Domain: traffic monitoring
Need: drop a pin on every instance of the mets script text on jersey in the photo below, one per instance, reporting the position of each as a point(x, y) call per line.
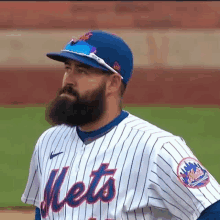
point(75, 196)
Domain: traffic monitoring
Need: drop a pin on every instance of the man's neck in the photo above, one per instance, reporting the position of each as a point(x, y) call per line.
point(107, 117)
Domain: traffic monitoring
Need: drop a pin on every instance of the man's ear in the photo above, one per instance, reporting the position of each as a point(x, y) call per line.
point(113, 84)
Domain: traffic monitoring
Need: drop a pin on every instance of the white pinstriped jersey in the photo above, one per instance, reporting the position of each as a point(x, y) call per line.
point(128, 170)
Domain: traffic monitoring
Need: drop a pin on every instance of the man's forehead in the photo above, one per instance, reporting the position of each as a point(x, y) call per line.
point(79, 64)
point(69, 62)
point(76, 63)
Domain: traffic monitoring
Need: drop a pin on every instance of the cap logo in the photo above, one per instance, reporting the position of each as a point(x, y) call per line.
point(192, 174)
point(86, 36)
point(93, 50)
point(116, 66)
point(73, 41)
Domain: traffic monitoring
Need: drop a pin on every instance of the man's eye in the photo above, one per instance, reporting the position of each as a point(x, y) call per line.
point(82, 71)
point(67, 68)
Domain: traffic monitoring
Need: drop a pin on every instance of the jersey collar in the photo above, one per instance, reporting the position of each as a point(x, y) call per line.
point(88, 137)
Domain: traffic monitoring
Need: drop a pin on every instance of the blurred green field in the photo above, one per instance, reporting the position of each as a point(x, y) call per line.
point(21, 127)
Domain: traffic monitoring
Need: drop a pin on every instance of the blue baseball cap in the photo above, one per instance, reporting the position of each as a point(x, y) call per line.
point(100, 50)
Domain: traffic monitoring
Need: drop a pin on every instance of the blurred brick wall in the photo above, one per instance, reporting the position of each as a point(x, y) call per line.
point(149, 86)
point(176, 48)
point(84, 15)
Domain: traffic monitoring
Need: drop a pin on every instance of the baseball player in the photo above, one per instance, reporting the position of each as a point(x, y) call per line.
point(99, 162)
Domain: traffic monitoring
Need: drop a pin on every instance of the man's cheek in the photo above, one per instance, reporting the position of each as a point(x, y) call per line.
point(92, 83)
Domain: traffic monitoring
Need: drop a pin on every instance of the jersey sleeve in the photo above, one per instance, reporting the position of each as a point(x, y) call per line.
point(179, 182)
point(31, 192)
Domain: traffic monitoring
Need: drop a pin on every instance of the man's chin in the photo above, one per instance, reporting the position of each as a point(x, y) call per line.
point(74, 111)
point(63, 110)
point(56, 110)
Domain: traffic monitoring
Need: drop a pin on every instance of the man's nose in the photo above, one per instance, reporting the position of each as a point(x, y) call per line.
point(68, 88)
point(69, 79)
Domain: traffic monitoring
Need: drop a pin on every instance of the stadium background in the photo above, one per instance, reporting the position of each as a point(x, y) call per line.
point(175, 82)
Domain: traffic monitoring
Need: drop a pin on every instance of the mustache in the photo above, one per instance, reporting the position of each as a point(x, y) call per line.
point(69, 90)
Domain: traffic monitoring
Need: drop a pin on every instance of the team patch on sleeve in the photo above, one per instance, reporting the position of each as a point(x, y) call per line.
point(192, 174)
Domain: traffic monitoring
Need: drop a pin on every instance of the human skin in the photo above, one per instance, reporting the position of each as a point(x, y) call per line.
point(85, 81)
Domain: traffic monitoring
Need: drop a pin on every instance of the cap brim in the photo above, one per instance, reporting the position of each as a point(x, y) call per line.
point(64, 56)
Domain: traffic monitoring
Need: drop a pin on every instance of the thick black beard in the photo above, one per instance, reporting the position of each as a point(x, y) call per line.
point(62, 110)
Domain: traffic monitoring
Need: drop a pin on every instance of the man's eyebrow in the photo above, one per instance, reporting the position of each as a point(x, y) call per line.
point(83, 66)
point(67, 63)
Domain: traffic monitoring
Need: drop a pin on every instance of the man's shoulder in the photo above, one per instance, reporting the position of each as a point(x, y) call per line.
point(140, 124)
point(54, 132)
point(149, 129)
